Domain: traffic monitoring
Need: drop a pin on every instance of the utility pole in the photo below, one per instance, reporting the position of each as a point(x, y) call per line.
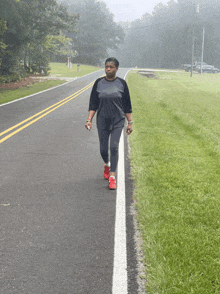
point(203, 40)
point(192, 51)
point(193, 39)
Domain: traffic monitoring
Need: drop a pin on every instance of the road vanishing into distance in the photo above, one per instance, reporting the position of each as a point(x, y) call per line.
point(58, 219)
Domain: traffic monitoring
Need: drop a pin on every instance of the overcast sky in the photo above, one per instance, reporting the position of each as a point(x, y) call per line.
point(129, 10)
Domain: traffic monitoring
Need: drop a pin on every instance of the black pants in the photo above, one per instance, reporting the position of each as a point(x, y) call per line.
point(114, 135)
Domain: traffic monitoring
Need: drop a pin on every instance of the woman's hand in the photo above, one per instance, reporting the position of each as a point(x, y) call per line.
point(129, 129)
point(88, 125)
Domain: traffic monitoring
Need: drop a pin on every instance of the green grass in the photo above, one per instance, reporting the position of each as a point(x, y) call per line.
point(175, 157)
point(7, 95)
point(57, 69)
point(61, 70)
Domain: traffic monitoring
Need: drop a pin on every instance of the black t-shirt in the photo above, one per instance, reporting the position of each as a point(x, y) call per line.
point(111, 100)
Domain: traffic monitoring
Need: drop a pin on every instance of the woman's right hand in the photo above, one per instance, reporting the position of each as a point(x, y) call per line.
point(88, 125)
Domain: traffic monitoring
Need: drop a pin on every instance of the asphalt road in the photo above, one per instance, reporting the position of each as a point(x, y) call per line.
point(57, 215)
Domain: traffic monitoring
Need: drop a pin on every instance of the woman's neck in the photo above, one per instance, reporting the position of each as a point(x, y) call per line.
point(110, 79)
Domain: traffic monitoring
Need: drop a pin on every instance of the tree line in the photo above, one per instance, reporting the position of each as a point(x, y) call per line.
point(96, 32)
point(29, 31)
point(35, 32)
point(163, 39)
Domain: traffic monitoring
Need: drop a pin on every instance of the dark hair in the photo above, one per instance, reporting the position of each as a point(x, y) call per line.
point(113, 59)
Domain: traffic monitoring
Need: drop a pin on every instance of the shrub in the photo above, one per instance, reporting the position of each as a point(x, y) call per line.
point(13, 77)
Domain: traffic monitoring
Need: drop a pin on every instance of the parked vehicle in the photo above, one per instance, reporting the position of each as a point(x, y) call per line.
point(207, 68)
point(187, 67)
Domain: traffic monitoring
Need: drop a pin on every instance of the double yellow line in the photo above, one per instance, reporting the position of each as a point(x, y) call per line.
point(29, 121)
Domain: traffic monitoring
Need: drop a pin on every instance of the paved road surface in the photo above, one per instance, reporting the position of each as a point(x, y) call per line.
point(57, 215)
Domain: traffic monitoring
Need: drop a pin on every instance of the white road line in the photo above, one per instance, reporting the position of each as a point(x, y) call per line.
point(120, 282)
point(29, 96)
point(16, 100)
point(120, 277)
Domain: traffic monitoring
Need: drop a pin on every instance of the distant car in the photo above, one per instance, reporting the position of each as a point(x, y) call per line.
point(207, 68)
point(187, 67)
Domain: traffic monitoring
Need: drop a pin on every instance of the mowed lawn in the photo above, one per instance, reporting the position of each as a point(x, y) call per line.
point(175, 157)
point(62, 70)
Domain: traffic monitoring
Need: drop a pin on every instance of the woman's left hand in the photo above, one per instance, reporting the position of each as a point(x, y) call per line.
point(129, 129)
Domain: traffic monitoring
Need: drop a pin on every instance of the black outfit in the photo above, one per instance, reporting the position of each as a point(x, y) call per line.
point(111, 100)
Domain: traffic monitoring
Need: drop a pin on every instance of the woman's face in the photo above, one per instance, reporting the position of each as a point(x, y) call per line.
point(110, 70)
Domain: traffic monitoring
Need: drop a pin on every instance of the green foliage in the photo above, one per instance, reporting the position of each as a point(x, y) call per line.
point(29, 22)
point(59, 48)
point(3, 29)
point(57, 44)
point(12, 77)
point(38, 60)
point(42, 30)
point(97, 32)
point(3, 46)
point(164, 39)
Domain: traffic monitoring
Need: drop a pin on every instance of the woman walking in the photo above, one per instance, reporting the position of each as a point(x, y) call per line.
point(110, 98)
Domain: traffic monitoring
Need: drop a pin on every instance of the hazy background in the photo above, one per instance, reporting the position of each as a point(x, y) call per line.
point(126, 10)
point(129, 10)
point(153, 33)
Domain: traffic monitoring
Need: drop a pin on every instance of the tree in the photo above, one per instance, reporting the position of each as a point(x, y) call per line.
point(59, 48)
point(3, 46)
point(8, 13)
point(96, 32)
point(164, 39)
point(29, 22)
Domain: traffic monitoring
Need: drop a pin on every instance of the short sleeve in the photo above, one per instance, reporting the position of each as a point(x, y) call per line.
point(126, 101)
point(94, 99)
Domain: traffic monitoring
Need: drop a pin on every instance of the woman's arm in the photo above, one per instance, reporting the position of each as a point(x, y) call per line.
point(127, 109)
point(91, 114)
point(93, 105)
point(128, 115)
point(129, 126)
point(88, 124)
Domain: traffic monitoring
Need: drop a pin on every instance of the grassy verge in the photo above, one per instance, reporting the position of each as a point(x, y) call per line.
point(57, 69)
point(7, 95)
point(175, 156)
point(61, 70)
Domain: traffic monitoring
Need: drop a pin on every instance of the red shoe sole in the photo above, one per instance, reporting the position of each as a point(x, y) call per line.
point(112, 188)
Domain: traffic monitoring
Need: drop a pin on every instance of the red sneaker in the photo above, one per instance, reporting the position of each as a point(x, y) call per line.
point(106, 172)
point(112, 183)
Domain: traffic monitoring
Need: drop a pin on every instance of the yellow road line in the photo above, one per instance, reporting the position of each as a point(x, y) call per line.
point(54, 107)
point(24, 121)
